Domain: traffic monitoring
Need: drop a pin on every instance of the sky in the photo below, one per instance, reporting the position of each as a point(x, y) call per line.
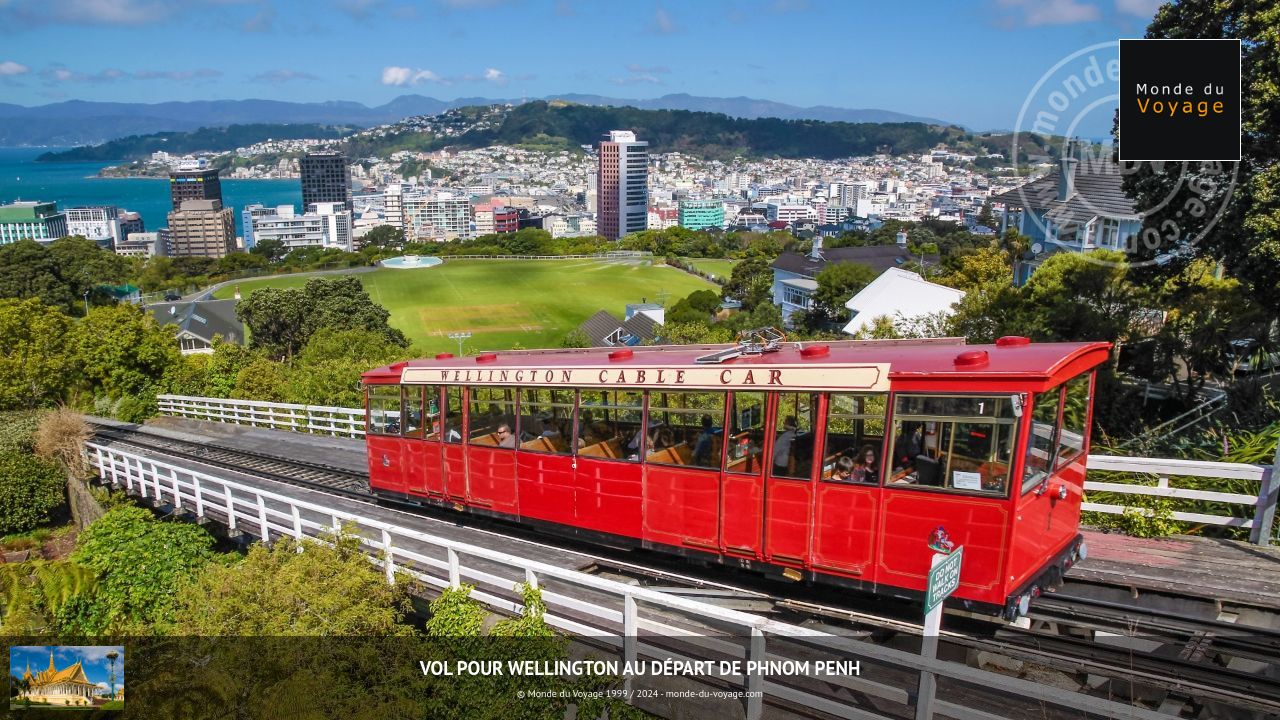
point(968, 61)
point(92, 658)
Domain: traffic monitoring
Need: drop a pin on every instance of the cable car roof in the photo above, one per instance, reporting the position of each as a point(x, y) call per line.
point(825, 365)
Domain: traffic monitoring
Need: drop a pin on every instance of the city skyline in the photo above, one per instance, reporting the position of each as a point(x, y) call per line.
point(902, 58)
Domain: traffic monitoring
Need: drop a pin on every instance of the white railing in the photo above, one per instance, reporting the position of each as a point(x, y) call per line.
point(316, 419)
point(632, 619)
point(350, 422)
point(1263, 501)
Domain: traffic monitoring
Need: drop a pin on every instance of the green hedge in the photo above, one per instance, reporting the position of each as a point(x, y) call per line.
point(30, 489)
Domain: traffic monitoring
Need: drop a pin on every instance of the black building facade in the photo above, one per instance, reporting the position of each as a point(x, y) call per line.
point(325, 179)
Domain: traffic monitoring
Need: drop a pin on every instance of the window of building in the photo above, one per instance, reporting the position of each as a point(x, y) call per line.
point(609, 425)
point(957, 443)
point(855, 435)
point(546, 420)
point(1075, 413)
point(1109, 233)
point(492, 417)
point(746, 433)
point(453, 414)
point(1043, 441)
point(384, 410)
point(793, 441)
point(686, 428)
point(413, 412)
point(795, 296)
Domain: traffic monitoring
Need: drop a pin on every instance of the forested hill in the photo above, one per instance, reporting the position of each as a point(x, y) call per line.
point(708, 135)
point(218, 139)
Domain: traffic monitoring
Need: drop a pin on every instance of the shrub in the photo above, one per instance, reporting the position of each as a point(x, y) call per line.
point(60, 436)
point(135, 409)
point(17, 430)
point(30, 489)
point(141, 564)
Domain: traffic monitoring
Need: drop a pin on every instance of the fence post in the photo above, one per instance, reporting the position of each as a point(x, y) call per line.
point(630, 636)
point(262, 518)
point(455, 572)
point(391, 563)
point(231, 507)
point(195, 483)
point(1265, 516)
point(297, 526)
point(755, 681)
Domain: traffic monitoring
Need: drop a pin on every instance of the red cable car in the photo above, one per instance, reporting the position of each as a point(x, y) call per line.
point(848, 463)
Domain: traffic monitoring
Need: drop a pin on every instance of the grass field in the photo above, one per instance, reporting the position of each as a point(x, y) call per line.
point(711, 266)
point(504, 302)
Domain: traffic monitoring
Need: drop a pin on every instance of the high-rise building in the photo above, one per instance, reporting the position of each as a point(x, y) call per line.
point(325, 179)
point(26, 220)
point(623, 186)
point(194, 184)
point(699, 214)
point(202, 228)
point(100, 223)
point(249, 215)
point(145, 244)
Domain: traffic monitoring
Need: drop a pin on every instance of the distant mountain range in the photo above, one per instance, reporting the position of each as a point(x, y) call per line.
point(80, 122)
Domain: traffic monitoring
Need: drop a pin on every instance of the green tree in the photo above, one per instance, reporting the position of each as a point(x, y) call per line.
point(1246, 235)
point(575, 338)
point(750, 283)
point(262, 379)
point(985, 267)
point(837, 282)
point(282, 321)
point(383, 236)
point(30, 489)
point(327, 589)
point(124, 351)
point(1083, 296)
point(30, 270)
point(223, 367)
point(37, 358)
point(85, 265)
point(142, 564)
point(273, 250)
point(987, 217)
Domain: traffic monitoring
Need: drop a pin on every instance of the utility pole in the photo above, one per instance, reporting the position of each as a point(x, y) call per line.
point(460, 336)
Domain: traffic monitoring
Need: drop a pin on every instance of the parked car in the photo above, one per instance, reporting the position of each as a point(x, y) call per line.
point(1251, 356)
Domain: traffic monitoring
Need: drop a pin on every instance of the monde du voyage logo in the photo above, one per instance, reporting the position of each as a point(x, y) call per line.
point(1180, 100)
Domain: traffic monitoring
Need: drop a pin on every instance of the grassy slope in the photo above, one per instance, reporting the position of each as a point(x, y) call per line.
point(719, 268)
point(504, 302)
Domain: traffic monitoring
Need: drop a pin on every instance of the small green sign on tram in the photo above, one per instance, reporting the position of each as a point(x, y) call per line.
point(944, 578)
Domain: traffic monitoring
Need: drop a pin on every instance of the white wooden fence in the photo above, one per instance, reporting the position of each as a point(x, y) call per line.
point(631, 619)
point(350, 422)
point(315, 419)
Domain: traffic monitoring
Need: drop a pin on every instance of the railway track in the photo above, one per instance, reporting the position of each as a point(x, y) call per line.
point(1190, 659)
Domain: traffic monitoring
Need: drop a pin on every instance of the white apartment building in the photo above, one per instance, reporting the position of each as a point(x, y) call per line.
point(436, 217)
point(327, 225)
point(99, 223)
point(482, 218)
point(145, 244)
point(789, 212)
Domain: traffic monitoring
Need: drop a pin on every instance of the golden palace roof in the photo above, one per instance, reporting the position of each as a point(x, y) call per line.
point(73, 674)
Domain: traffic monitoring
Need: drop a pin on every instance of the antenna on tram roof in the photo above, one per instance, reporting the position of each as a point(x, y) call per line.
point(757, 341)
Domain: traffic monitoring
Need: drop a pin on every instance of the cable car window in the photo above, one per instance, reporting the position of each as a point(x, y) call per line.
point(609, 425)
point(746, 433)
point(431, 409)
point(492, 418)
point(453, 414)
point(546, 421)
point(1043, 440)
point(412, 411)
point(686, 428)
point(384, 409)
point(958, 443)
point(793, 435)
point(855, 434)
point(1075, 413)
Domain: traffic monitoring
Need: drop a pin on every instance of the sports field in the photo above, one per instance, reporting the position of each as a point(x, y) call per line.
point(713, 266)
point(504, 302)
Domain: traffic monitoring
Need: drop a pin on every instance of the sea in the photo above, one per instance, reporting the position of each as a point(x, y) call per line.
point(73, 184)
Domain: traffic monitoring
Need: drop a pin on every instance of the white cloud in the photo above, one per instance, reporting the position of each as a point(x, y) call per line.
point(495, 75)
point(9, 68)
point(275, 77)
point(648, 70)
point(1140, 8)
point(662, 22)
point(1050, 12)
point(88, 12)
point(394, 75)
point(638, 79)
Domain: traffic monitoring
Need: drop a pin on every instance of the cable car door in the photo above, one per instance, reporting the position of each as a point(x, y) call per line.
point(454, 453)
point(789, 477)
point(847, 494)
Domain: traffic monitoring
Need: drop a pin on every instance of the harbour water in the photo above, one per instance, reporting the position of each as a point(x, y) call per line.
point(71, 184)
